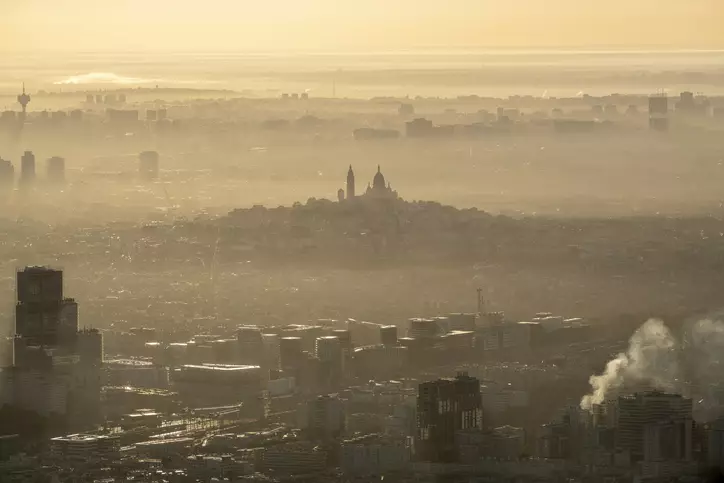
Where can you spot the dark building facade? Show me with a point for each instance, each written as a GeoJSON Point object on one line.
{"type": "Point", "coordinates": [445, 407]}
{"type": "Point", "coordinates": [27, 168]}
{"type": "Point", "coordinates": [42, 315]}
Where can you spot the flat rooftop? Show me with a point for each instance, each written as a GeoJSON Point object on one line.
{"type": "Point", "coordinates": [219, 367]}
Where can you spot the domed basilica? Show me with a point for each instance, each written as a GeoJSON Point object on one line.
{"type": "Point", "coordinates": [379, 189]}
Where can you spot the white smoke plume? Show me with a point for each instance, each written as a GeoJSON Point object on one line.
{"type": "Point", "coordinates": [656, 359]}
{"type": "Point", "coordinates": [651, 360]}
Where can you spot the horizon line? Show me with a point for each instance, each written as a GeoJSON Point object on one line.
{"type": "Point", "coordinates": [591, 50]}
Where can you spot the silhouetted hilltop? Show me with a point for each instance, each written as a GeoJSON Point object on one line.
{"type": "Point", "coordinates": [394, 231]}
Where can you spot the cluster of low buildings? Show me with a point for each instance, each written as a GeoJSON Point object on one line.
{"type": "Point", "coordinates": [329, 399]}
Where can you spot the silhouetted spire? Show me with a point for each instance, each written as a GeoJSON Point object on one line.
{"type": "Point", "coordinates": [350, 183]}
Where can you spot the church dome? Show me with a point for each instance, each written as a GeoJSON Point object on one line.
{"type": "Point", "coordinates": [378, 183]}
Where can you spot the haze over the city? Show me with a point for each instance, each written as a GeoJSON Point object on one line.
{"type": "Point", "coordinates": [332, 25]}
{"type": "Point", "coordinates": [310, 241]}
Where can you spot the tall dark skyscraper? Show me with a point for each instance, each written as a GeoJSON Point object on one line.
{"type": "Point", "coordinates": [444, 407]}
{"type": "Point", "coordinates": [56, 368]}
{"type": "Point", "coordinates": [42, 315]}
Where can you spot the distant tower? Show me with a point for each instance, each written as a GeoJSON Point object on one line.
{"type": "Point", "coordinates": [350, 183]}
{"type": "Point", "coordinates": [24, 100]}
{"type": "Point", "coordinates": [340, 195]}
{"type": "Point", "coordinates": [27, 168]}
{"type": "Point", "coordinates": [7, 173]}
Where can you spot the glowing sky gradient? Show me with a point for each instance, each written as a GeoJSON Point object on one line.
{"type": "Point", "coordinates": [333, 25]}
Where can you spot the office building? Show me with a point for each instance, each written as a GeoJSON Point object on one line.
{"type": "Point", "coordinates": [714, 441]}
{"type": "Point", "coordinates": [297, 458]}
{"type": "Point", "coordinates": [633, 413]}
{"type": "Point", "coordinates": [56, 368]}
{"type": "Point", "coordinates": [329, 349]}
{"type": "Point", "coordinates": [89, 347]}
{"type": "Point", "coordinates": [331, 361]}
{"type": "Point", "coordinates": [202, 385]}
{"type": "Point", "coordinates": [27, 168]}
{"type": "Point", "coordinates": [323, 417]}
{"type": "Point", "coordinates": [374, 455]}
{"type": "Point", "coordinates": [388, 335]}
{"type": "Point", "coordinates": [669, 440]}
{"type": "Point", "coordinates": [345, 338]}
{"type": "Point", "coordinates": [270, 343]}
{"type": "Point", "coordinates": [250, 345]}
{"type": "Point", "coordinates": [462, 321]}
{"type": "Point", "coordinates": [85, 447]}
{"type": "Point", "coordinates": [148, 164]}
{"type": "Point", "coordinates": [445, 407]}
{"type": "Point", "coordinates": [379, 361]}
{"type": "Point", "coordinates": [423, 328]}
{"type": "Point", "coordinates": [290, 353]}
{"type": "Point", "coordinates": [42, 315]}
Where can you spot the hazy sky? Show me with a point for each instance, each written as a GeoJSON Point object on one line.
{"type": "Point", "coordinates": [251, 25]}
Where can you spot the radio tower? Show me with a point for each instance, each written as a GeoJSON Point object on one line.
{"type": "Point", "coordinates": [24, 100]}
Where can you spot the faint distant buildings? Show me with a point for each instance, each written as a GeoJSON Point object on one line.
{"type": "Point", "coordinates": [107, 99]}
{"type": "Point", "coordinates": [7, 173]}
{"type": "Point", "coordinates": [406, 110]}
{"type": "Point", "coordinates": [148, 163]}
{"type": "Point", "coordinates": [368, 134]}
{"type": "Point", "coordinates": [419, 128]}
{"type": "Point", "coordinates": [27, 168]}
{"type": "Point", "coordinates": [156, 114]}
{"type": "Point", "coordinates": [689, 105]}
{"type": "Point", "coordinates": [445, 407]}
{"type": "Point", "coordinates": [122, 116]}
{"type": "Point", "coordinates": [56, 170]}
{"type": "Point", "coordinates": [659, 112]}
{"type": "Point", "coordinates": [295, 96]}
